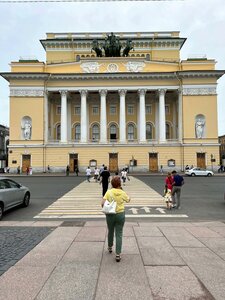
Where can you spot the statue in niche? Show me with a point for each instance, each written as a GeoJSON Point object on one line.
{"type": "Point", "coordinates": [27, 130]}
{"type": "Point", "coordinates": [199, 128]}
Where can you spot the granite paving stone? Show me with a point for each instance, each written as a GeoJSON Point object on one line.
{"type": "Point", "coordinates": [175, 283]}
{"type": "Point", "coordinates": [71, 282]}
{"type": "Point", "coordinates": [199, 231]}
{"type": "Point", "coordinates": [91, 234]}
{"type": "Point", "coordinates": [219, 229]}
{"type": "Point", "coordinates": [158, 251]}
{"type": "Point", "coordinates": [180, 237]}
{"type": "Point", "coordinates": [208, 267]}
{"type": "Point", "coordinates": [128, 231]}
{"type": "Point", "coordinates": [23, 283]}
{"type": "Point", "coordinates": [147, 231]}
{"type": "Point", "coordinates": [124, 280]}
{"type": "Point", "coordinates": [165, 224]}
{"type": "Point", "coordinates": [47, 223]}
{"type": "Point", "coordinates": [217, 245]}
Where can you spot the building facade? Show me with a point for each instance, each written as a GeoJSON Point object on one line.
{"type": "Point", "coordinates": [4, 141]}
{"type": "Point", "coordinates": [144, 108]}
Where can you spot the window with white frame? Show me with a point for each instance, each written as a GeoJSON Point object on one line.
{"type": "Point", "coordinates": [168, 136]}
{"type": "Point", "coordinates": [113, 132]}
{"type": "Point", "coordinates": [95, 132]}
{"type": "Point", "coordinates": [149, 131]}
{"type": "Point", "coordinates": [77, 132]}
{"type": "Point", "coordinates": [58, 132]}
{"type": "Point", "coordinates": [112, 110]}
{"type": "Point", "coordinates": [130, 132]}
{"type": "Point", "coordinates": [77, 110]}
{"type": "Point", "coordinates": [167, 109]}
{"type": "Point", "coordinates": [58, 110]}
{"type": "Point", "coordinates": [95, 110]}
{"type": "Point", "coordinates": [130, 109]}
{"type": "Point", "coordinates": [148, 109]}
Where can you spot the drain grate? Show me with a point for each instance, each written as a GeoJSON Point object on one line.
{"type": "Point", "coordinates": [72, 224]}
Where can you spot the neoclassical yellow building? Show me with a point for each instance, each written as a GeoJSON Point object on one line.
{"type": "Point", "coordinates": [115, 99]}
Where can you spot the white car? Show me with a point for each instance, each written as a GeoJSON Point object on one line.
{"type": "Point", "coordinates": [12, 194]}
{"type": "Point", "coordinates": [198, 172]}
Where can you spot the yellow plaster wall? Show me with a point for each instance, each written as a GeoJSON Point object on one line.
{"type": "Point", "coordinates": [20, 107]}
{"type": "Point", "coordinates": [194, 105]}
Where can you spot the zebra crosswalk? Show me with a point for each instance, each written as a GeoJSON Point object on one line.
{"type": "Point", "coordinates": [84, 200]}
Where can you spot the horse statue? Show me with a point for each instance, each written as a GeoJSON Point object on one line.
{"type": "Point", "coordinates": [129, 46]}
{"type": "Point", "coordinates": [96, 48]}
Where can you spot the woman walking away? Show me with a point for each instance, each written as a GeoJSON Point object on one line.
{"type": "Point", "coordinates": [115, 222]}
{"type": "Point", "coordinates": [168, 190]}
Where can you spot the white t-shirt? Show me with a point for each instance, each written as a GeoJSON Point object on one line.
{"type": "Point", "coordinates": [96, 171]}
{"type": "Point", "coordinates": [124, 174]}
{"type": "Point", "coordinates": [88, 172]}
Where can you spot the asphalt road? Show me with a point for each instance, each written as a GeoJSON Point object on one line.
{"type": "Point", "coordinates": [202, 198]}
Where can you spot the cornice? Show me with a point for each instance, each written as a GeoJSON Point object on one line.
{"type": "Point", "coordinates": [113, 76]}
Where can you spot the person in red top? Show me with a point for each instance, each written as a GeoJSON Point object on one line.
{"type": "Point", "coordinates": [169, 181]}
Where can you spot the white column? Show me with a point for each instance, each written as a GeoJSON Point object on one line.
{"type": "Point", "coordinates": [46, 116]}
{"type": "Point", "coordinates": [162, 116]}
{"type": "Point", "coordinates": [63, 116]}
{"type": "Point", "coordinates": [103, 117]}
{"type": "Point", "coordinates": [83, 116]}
{"type": "Point", "coordinates": [122, 94]}
{"type": "Point", "coordinates": [180, 116]}
{"type": "Point", "coordinates": [142, 116]}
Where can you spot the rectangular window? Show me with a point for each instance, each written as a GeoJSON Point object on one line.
{"type": "Point", "coordinates": [95, 110]}
{"type": "Point", "coordinates": [167, 109]}
{"type": "Point", "coordinates": [112, 110]}
{"type": "Point", "coordinates": [58, 110]}
{"type": "Point", "coordinates": [148, 109]}
{"type": "Point", "coordinates": [130, 109]}
{"type": "Point", "coordinates": [77, 110]}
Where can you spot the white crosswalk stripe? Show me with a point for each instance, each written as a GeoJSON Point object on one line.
{"type": "Point", "coordinates": [84, 200]}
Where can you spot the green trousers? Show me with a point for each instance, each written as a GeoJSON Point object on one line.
{"type": "Point", "coordinates": [115, 223]}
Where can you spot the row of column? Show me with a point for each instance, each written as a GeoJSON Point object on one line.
{"type": "Point", "coordinates": [122, 119]}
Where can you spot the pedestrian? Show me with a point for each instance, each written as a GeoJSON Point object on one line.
{"type": "Point", "coordinates": [101, 169]}
{"type": "Point", "coordinates": [168, 190]}
{"type": "Point", "coordinates": [115, 222]}
{"type": "Point", "coordinates": [124, 176]}
{"type": "Point", "coordinates": [187, 167]}
{"type": "Point", "coordinates": [48, 169]}
{"type": "Point", "coordinates": [161, 169]}
{"type": "Point", "coordinates": [88, 173]}
{"type": "Point", "coordinates": [18, 170]}
{"type": "Point", "coordinates": [96, 174]}
{"type": "Point", "coordinates": [27, 170]}
{"type": "Point", "coordinates": [77, 170]}
{"type": "Point", "coordinates": [178, 181]}
{"type": "Point", "coordinates": [104, 180]}
{"type": "Point", "coordinates": [67, 170]}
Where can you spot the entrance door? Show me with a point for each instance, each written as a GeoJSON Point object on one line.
{"type": "Point", "coordinates": [201, 160]}
{"type": "Point", "coordinates": [153, 162]}
{"type": "Point", "coordinates": [25, 162]}
{"type": "Point", "coordinates": [73, 162]}
{"type": "Point", "coordinates": [113, 162]}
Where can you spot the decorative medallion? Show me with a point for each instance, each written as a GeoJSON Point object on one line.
{"type": "Point", "coordinates": [112, 68]}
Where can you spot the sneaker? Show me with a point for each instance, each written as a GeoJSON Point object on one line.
{"type": "Point", "coordinates": [118, 257]}
{"type": "Point", "coordinates": [110, 249]}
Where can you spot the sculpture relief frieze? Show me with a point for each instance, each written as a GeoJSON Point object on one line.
{"type": "Point", "coordinates": [90, 67]}
{"type": "Point", "coordinates": [134, 66]}
{"type": "Point", "coordinates": [199, 91]}
{"type": "Point", "coordinates": [26, 93]}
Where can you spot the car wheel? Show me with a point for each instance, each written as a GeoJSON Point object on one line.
{"type": "Point", "coordinates": [192, 174]}
{"type": "Point", "coordinates": [1, 211]}
{"type": "Point", "coordinates": [209, 175]}
{"type": "Point", "coordinates": [26, 200]}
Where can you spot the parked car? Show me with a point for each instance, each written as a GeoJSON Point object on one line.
{"type": "Point", "coordinates": [198, 172]}
{"type": "Point", "coordinates": [12, 194]}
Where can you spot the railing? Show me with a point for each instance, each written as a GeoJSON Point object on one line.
{"type": "Point", "coordinates": [114, 141]}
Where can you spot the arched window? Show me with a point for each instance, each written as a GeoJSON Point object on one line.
{"type": "Point", "coordinates": [112, 132]}
{"type": "Point", "coordinates": [168, 131]}
{"type": "Point", "coordinates": [58, 132]}
{"type": "Point", "coordinates": [77, 132]}
{"type": "Point", "coordinates": [149, 134]}
{"type": "Point", "coordinates": [130, 132]}
{"type": "Point", "coordinates": [95, 132]}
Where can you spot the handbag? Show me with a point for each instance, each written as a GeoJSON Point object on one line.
{"type": "Point", "coordinates": [109, 207]}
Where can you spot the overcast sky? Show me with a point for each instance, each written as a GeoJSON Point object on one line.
{"type": "Point", "coordinates": [202, 22]}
